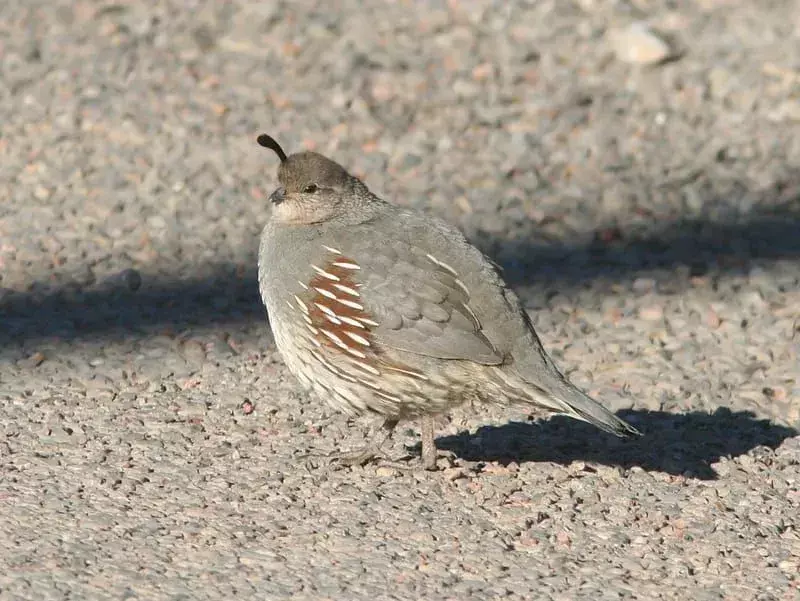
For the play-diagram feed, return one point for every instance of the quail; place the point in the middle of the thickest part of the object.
(380, 309)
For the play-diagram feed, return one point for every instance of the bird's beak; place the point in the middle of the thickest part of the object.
(277, 196)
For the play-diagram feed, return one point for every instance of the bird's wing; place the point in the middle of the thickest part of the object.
(409, 301)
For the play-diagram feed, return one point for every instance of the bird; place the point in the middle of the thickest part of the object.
(383, 310)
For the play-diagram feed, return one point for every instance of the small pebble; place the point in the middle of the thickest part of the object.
(454, 473)
(563, 538)
(712, 319)
(194, 351)
(651, 313)
(35, 360)
(639, 45)
(643, 285)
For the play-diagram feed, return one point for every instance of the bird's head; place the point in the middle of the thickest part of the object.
(313, 188)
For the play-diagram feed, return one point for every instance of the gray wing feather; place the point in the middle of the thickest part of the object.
(421, 307)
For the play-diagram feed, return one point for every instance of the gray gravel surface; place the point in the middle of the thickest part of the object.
(152, 444)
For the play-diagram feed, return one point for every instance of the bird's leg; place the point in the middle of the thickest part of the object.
(427, 434)
(372, 450)
(430, 453)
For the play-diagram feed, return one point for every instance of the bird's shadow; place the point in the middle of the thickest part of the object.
(685, 444)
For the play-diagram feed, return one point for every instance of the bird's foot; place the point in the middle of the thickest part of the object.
(431, 461)
(369, 453)
(358, 457)
(353, 458)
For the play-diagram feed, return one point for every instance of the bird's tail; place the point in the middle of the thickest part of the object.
(563, 397)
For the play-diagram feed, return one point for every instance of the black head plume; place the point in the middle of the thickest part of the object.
(269, 142)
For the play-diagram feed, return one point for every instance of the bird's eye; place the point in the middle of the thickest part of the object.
(310, 188)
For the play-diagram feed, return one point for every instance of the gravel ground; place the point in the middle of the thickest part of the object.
(151, 441)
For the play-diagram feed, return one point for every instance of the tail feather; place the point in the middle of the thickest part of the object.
(566, 399)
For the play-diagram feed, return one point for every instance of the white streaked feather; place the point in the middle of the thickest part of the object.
(352, 322)
(346, 290)
(325, 309)
(358, 338)
(326, 293)
(325, 274)
(367, 368)
(463, 287)
(334, 338)
(334, 320)
(356, 353)
(415, 374)
(346, 265)
(301, 304)
(442, 264)
(351, 304)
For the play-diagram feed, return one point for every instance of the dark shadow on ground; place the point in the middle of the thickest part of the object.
(228, 294)
(701, 247)
(673, 443)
